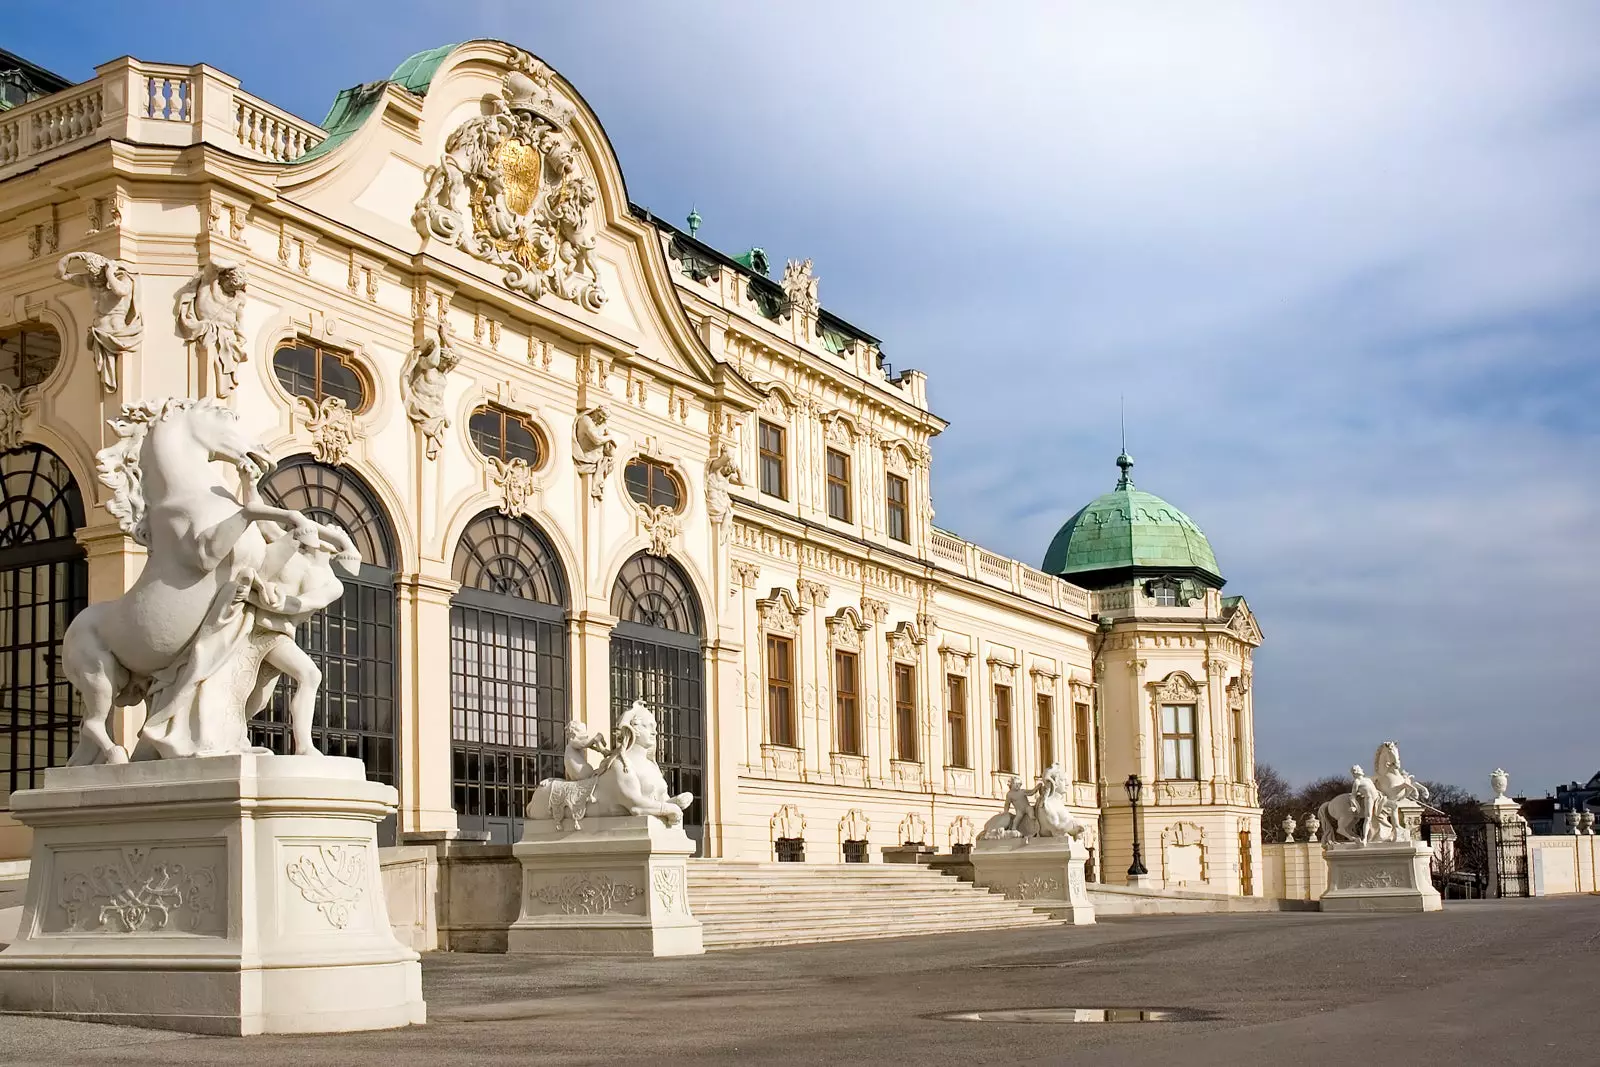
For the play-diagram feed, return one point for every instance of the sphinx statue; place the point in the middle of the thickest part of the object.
(627, 782)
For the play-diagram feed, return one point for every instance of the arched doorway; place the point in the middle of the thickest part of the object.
(508, 672)
(43, 583)
(352, 641)
(656, 657)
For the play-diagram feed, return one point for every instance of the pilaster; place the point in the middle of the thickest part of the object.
(114, 563)
(423, 686)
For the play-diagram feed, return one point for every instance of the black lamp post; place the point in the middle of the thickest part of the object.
(1135, 790)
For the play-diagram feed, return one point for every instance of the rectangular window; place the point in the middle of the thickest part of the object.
(898, 497)
(1002, 728)
(1177, 741)
(1082, 723)
(838, 485)
(905, 712)
(1047, 730)
(846, 703)
(780, 690)
(955, 722)
(1238, 746)
(773, 482)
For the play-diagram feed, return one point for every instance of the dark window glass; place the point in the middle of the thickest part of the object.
(780, 690)
(1178, 741)
(847, 701)
(955, 743)
(305, 368)
(772, 470)
(905, 712)
(1083, 770)
(838, 485)
(504, 435)
(652, 484)
(1002, 728)
(1045, 707)
(28, 354)
(1165, 594)
(898, 493)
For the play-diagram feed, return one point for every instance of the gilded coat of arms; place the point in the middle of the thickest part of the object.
(509, 191)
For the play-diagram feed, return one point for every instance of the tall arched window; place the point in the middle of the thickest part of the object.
(43, 584)
(656, 657)
(508, 672)
(352, 641)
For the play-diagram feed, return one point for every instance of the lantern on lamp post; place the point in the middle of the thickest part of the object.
(1135, 790)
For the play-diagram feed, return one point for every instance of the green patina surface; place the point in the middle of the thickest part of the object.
(1129, 528)
(353, 106)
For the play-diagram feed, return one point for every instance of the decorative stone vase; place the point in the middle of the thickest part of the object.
(1572, 822)
(617, 887)
(1313, 827)
(1498, 781)
(234, 894)
(1045, 872)
(1586, 823)
(1288, 827)
(1380, 877)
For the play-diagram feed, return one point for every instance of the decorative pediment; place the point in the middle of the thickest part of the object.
(779, 612)
(840, 428)
(1175, 688)
(1002, 671)
(904, 640)
(845, 629)
(1242, 624)
(1044, 680)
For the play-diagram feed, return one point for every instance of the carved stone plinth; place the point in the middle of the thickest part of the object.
(616, 887)
(221, 895)
(1046, 872)
(1389, 876)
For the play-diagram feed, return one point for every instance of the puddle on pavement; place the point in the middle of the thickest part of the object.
(1078, 1015)
(1028, 966)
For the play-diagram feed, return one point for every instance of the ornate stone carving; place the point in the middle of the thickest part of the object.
(1289, 828)
(812, 592)
(333, 428)
(800, 287)
(425, 376)
(1371, 811)
(788, 823)
(722, 472)
(334, 878)
(875, 610)
(1498, 781)
(137, 893)
(663, 525)
(913, 829)
(230, 596)
(627, 782)
(779, 613)
(514, 479)
(962, 831)
(745, 573)
(211, 316)
(1001, 671)
(855, 826)
(593, 448)
(16, 405)
(1037, 812)
(586, 894)
(509, 190)
(669, 890)
(1184, 853)
(845, 629)
(903, 642)
(1175, 688)
(117, 327)
(954, 660)
(1034, 887)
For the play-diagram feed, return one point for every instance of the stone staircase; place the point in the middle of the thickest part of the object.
(746, 904)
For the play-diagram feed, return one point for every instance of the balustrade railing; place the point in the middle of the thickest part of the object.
(152, 103)
(992, 569)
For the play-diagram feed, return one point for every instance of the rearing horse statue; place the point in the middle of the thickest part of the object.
(162, 639)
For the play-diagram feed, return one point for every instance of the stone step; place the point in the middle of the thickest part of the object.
(822, 910)
(718, 939)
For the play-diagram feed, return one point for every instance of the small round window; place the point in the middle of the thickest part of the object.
(28, 353)
(505, 435)
(653, 484)
(305, 368)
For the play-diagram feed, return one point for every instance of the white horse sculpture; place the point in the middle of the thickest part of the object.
(184, 618)
(1371, 811)
(627, 782)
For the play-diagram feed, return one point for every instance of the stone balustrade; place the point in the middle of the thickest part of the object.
(152, 103)
(963, 557)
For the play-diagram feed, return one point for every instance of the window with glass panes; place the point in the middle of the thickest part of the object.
(1002, 728)
(1044, 709)
(780, 690)
(1177, 741)
(504, 435)
(905, 712)
(897, 498)
(955, 722)
(1082, 724)
(838, 485)
(28, 353)
(306, 368)
(770, 439)
(652, 484)
(847, 705)
(1238, 746)
(1165, 594)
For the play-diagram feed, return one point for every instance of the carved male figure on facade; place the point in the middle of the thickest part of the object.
(722, 472)
(800, 286)
(211, 315)
(593, 448)
(117, 327)
(425, 377)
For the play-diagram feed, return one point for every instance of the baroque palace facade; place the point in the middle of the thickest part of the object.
(587, 459)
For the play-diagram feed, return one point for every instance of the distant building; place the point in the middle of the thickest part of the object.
(21, 81)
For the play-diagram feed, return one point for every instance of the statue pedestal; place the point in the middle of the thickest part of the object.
(617, 887)
(217, 895)
(1386, 876)
(1046, 872)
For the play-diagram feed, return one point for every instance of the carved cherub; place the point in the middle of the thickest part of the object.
(117, 327)
(425, 377)
(593, 447)
(211, 314)
(581, 740)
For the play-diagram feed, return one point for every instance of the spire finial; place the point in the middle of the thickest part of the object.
(1124, 461)
(694, 220)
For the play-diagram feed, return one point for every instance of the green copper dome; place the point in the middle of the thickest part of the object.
(1126, 534)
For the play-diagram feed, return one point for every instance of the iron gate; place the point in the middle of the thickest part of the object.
(1481, 859)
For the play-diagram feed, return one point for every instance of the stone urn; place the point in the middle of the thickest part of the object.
(1586, 823)
(1572, 822)
(1498, 782)
(1313, 827)
(1288, 828)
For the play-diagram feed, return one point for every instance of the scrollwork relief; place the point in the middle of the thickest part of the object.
(585, 894)
(334, 878)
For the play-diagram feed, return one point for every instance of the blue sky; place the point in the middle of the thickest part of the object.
(1341, 258)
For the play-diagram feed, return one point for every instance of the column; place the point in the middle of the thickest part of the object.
(591, 669)
(422, 702)
(725, 740)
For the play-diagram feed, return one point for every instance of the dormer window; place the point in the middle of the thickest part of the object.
(1163, 593)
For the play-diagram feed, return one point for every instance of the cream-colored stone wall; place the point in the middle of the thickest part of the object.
(686, 367)
(1563, 864)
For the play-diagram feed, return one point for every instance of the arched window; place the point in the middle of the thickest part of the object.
(306, 368)
(652, 483)
(28, 353)
(508, 672)
(656, 657)
(43, 584)
(505, 435)
(352, 641)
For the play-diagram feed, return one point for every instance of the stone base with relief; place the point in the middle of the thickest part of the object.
(233, 894)
(617, 887)
(1045, 872)
(1379, 877)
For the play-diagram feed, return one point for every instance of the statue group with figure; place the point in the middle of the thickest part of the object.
(206, 632)
(627, 780)
(1037, 812)
(1371, 811)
